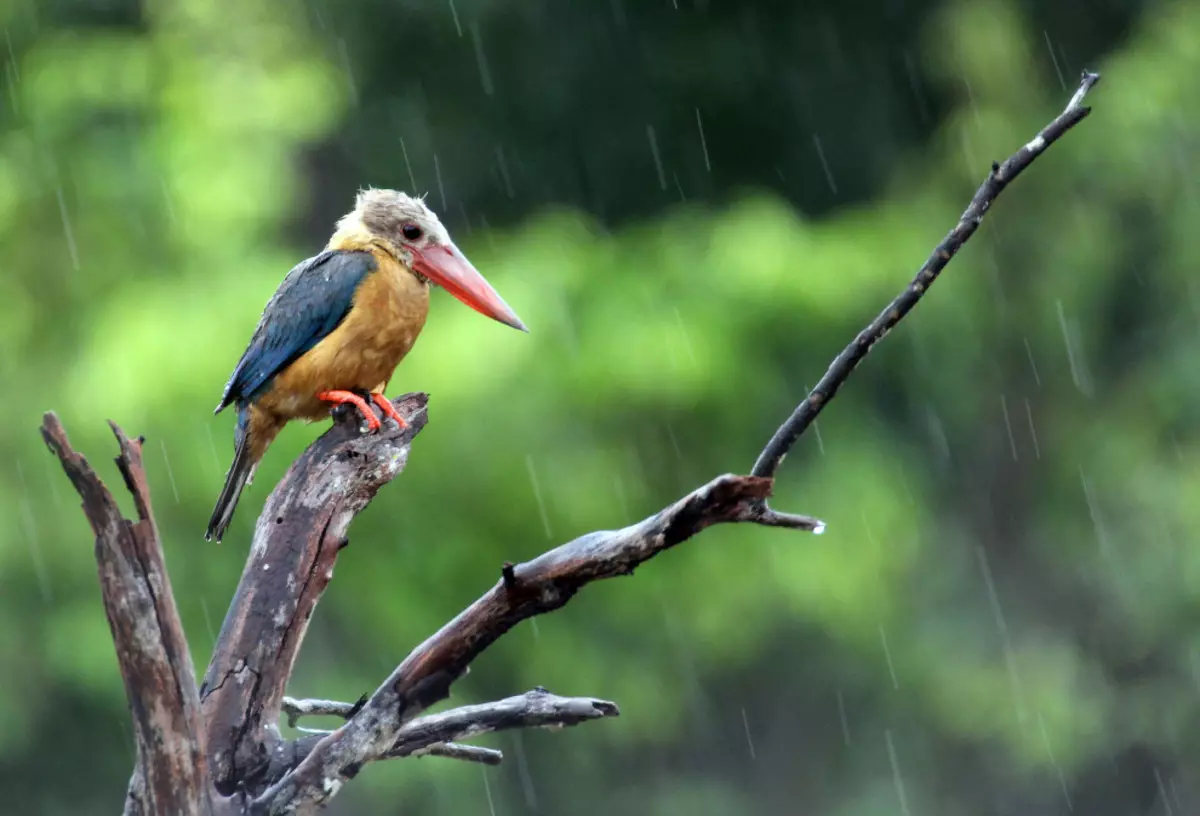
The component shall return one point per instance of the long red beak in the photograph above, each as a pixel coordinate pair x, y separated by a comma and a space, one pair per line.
449, 268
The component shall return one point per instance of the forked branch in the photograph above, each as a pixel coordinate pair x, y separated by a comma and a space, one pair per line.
224, 753
549, 581
172, 773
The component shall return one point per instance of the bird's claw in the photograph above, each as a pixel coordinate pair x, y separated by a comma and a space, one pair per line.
350, 398
388, 409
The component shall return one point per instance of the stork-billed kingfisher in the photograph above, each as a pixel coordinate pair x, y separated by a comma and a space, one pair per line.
340, 323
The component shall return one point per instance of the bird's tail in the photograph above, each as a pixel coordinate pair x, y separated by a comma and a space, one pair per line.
236, 480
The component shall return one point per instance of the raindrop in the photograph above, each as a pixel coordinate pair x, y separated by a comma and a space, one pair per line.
824, 164
1094, 511
412, 180
897, 778
170, 473
523, 770
746, 726
1062, 780
703, 143
1010, 657
687, 341
1162, 792
914, 82
1037, 453
454, 14
674, 442
208, 624
437, 171
170, 205
887, 653
819, 529
508, 188
487, 789
658, 165
1054, 59
35, 550
344, 53
1012, 441
537, 494
484, 75
1032, 364
841, 703
212, 444
1079, 373
66, 219
937, 432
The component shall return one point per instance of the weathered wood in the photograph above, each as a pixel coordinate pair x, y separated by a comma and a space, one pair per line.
296, 543
172, 772
532, 588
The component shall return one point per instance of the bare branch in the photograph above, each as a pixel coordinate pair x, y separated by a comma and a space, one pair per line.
533, 709
845, 363
299, 534
533, 588
549, 581
295, 709
291, 561
467, 753
172, 775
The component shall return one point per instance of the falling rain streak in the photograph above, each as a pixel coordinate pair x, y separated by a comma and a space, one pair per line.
897, 777
70, 233
485, 75
841, 705
437, 171
412, 180
537, 495
703, 143
1079, 372
749, 739
658, 165
1062, 779
1012, 440
887, 653
824, 164
1010, 655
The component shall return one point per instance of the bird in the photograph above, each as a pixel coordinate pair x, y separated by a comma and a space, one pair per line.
339, 324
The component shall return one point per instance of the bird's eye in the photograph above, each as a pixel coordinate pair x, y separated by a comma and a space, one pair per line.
411, 232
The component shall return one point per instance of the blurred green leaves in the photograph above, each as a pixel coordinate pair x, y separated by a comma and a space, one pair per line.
146, 181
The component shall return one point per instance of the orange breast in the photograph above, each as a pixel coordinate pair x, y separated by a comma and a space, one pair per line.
363, 351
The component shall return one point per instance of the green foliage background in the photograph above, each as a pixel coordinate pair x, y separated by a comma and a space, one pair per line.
1002, 617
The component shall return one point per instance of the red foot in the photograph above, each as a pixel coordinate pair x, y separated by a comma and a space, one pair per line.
388, 409
340, 397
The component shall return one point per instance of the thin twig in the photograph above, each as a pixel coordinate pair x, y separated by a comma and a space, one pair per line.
845, 363
295, 709
467, 753
534, 709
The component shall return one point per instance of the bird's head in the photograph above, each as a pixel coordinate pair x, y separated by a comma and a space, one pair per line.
415, 235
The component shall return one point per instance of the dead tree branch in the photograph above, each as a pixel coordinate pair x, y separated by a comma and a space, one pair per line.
845, 363
299, 534
549, 581
250, 768
172, 774
533, 709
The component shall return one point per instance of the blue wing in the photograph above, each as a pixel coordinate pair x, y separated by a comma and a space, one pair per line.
310, 303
